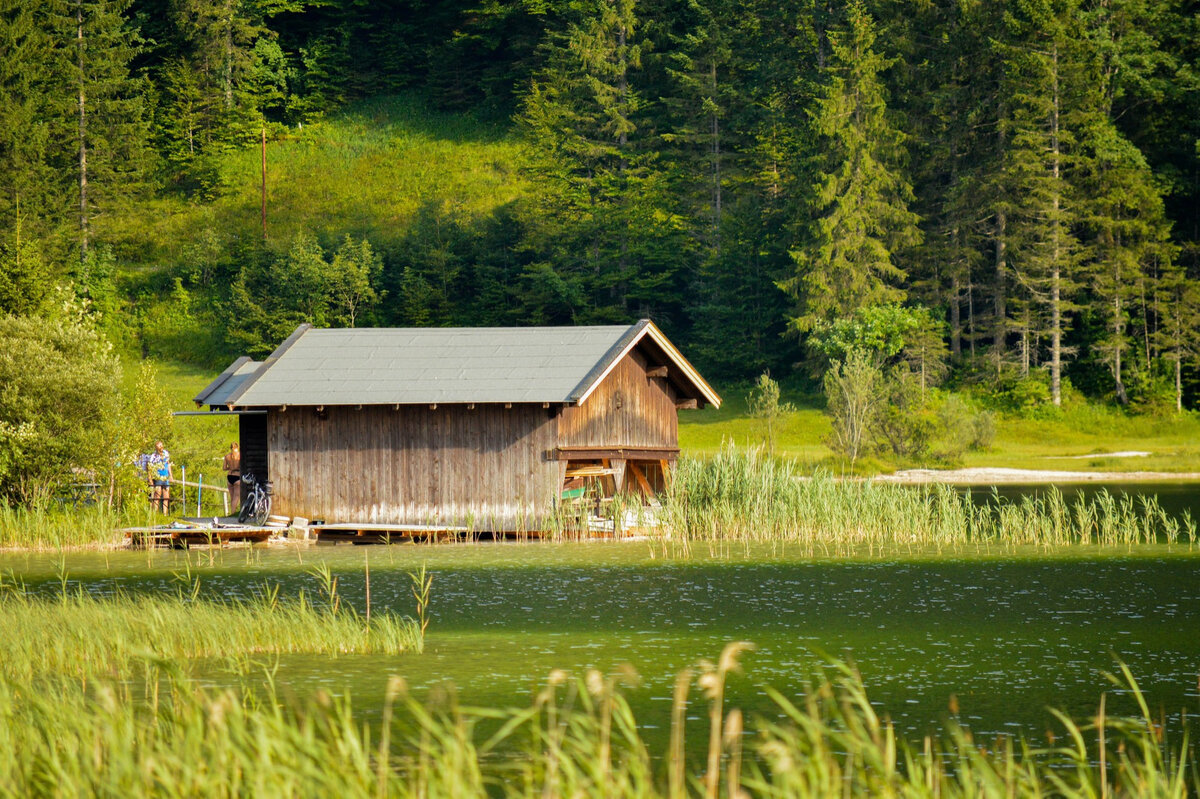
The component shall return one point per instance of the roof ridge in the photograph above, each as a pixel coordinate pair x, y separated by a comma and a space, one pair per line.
629, 337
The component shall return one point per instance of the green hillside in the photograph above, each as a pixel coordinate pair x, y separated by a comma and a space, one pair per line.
366, 171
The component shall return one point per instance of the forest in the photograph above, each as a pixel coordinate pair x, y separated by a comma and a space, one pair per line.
1005, 192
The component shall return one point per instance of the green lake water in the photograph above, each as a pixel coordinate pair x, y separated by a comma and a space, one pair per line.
1008, 634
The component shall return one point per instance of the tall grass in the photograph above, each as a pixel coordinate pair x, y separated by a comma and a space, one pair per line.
61, 528
741, 494
578, 738
79, 635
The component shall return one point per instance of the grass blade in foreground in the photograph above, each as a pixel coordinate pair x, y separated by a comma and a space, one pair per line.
578, 739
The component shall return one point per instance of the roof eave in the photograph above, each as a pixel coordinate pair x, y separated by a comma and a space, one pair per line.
235, 399
212, 387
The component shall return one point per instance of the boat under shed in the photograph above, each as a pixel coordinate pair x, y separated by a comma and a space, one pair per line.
491, 429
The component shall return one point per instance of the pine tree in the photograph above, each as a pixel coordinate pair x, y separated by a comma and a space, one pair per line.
1043, 82
1178, 335
950, 104
701, 68
110, 144
601, 211
33, 121
1121, 212
848, 257
25, 277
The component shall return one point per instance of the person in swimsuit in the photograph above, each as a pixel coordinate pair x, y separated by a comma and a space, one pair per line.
158, 472
233, 469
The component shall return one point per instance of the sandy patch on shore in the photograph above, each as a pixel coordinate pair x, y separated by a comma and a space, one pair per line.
984, 475
1128, 453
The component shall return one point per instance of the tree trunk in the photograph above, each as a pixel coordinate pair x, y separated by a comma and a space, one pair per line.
1178, 382
716, 156
1056, 250
229, 55
83, 169
1000, 233
1118, 345
955, 318
971, 315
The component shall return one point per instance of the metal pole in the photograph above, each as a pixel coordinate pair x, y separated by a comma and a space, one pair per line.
264, 180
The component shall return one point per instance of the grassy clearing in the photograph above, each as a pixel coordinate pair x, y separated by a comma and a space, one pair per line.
80, 635
578, 738
1020, 442
742, 495
367, 171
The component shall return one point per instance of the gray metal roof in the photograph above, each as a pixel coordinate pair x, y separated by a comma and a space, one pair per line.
374, 366
228, 382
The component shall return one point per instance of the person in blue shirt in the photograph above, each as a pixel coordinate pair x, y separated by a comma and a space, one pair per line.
158, 472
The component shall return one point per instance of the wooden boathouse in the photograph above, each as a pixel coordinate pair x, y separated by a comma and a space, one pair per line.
484, 428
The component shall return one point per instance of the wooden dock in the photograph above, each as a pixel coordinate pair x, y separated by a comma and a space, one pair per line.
185, 537
358, 533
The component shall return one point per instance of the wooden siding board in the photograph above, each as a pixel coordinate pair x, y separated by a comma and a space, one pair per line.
414, 465
628, 409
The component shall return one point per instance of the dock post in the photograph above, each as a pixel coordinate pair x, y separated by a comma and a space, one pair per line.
199, 493
183, 488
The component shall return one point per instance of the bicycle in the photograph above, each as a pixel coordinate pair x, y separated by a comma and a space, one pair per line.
256, 504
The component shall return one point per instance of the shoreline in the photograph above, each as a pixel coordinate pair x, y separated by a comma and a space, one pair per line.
992, 475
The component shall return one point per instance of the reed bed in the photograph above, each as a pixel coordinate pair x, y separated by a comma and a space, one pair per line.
743, 495
55, 528
77, 634
578, 738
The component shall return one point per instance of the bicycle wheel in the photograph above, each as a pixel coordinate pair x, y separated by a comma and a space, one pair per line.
248, 507
262, 507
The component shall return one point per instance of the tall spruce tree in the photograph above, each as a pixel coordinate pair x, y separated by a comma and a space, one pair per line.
949, 106
34, 121
601, 219
1044, 83
1127, 238
111, 129
1178, 334
848, 255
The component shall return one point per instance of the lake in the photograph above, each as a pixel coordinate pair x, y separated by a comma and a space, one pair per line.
1175, 498
1008, 635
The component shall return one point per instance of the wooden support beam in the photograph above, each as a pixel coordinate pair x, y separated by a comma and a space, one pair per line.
642, 482
598, 453
666, 471
687, 405
658, 371
619, 468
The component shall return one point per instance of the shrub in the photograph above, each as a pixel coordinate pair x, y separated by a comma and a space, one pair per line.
854, 391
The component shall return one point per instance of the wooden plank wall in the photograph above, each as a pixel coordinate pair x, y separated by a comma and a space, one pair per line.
627, 409
484, 467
